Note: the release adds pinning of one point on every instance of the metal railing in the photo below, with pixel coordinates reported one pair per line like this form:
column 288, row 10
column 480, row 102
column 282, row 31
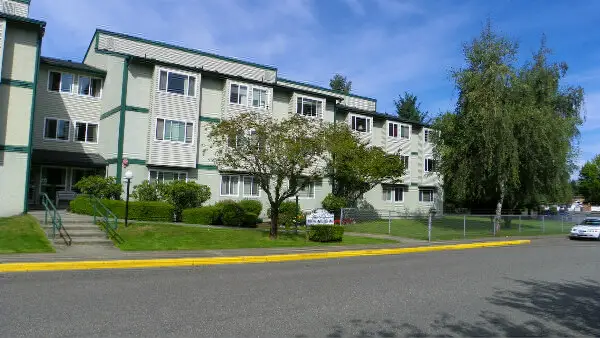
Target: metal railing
column 57, row 225
column 108, row 220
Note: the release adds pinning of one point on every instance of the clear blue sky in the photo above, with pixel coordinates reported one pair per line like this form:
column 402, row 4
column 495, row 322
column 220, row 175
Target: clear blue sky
column 385, row 47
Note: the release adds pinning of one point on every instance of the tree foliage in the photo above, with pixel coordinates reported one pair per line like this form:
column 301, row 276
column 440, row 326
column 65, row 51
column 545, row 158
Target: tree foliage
column 101, row 187
column 409, row 108
column 284, row 156
column 355, row 167
column 510, row 140
column 340, row 84
column 589, row 181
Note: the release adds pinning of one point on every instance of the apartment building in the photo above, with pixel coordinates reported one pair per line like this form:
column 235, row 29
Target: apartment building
column 150, row 104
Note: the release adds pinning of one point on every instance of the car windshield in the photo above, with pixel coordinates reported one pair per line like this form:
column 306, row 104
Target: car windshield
column 592, row 222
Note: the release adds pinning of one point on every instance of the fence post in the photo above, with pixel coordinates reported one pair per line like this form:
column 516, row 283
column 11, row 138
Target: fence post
column 562, row 224
column 465, row 226
column 519, row 223
column 429, row 228
column 543, row 223
column 389, row 222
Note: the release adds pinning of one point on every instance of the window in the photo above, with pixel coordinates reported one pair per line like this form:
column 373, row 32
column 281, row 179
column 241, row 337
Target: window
column 229, row 185
column 177, row 83
column 405, row 162
column 251, row 187
column 429, row 165
column 361, row 124
column 393, row 129
column 308, row 191
column 427, row 135
column 86, row 132
column 238, row 94
column 404, row 131
column 393, row 193
column 89, row 86
column 60, row 82
column 55, row 129
column 425, row 195
column 259, row 98
column 309, row 107
column 167, row 176
column 175, row 131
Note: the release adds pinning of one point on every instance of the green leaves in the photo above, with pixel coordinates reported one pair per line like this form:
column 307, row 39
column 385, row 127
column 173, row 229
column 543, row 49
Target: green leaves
column 407, row 107
column 340, row 84
column 589, row 180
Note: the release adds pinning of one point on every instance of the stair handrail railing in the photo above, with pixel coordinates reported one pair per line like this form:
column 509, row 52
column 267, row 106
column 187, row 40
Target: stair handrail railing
column 57, row 225
column 108, row 218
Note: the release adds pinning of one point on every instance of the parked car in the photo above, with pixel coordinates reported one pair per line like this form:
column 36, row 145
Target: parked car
column 589, row 228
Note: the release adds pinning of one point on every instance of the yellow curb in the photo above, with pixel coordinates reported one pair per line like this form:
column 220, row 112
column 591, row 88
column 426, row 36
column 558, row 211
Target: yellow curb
column 203, row 261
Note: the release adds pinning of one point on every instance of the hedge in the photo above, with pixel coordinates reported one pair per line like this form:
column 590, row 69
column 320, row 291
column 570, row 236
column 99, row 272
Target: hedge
column 140, row 211
column 228, row 213
column 326, row 233
column 208, row 215
column 252, row 206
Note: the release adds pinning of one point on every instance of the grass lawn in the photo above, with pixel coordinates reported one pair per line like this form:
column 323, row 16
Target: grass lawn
column 451, row 227
column 141, row 237
column 22, row 234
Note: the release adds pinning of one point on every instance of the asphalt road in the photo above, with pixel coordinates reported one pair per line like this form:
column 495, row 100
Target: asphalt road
column 549, row 288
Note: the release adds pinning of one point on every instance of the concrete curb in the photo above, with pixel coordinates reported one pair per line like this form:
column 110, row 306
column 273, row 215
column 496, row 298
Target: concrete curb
column 205, row 261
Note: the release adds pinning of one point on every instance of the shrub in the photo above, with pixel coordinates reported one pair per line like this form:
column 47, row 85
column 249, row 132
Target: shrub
column 334, row 204
column 184, row 195
column 252, row 206
column 147, row 191
column 207, row 215
column 141, row 211
column 232, row 214
column 326, row 233
column 219, row 206
column 81, row 205
column 101, row 187
column 288, row 211
column 250, row 220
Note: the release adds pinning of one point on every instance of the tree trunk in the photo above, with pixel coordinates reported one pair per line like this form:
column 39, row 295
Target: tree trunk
column 274, row 221
column 498, row 218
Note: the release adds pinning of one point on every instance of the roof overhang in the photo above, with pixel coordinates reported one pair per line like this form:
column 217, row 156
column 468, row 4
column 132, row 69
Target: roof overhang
column 66, row 158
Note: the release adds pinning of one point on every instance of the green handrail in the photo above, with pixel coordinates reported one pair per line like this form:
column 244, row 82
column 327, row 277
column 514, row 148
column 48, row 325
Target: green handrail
column 108, row 218
column 57, row 225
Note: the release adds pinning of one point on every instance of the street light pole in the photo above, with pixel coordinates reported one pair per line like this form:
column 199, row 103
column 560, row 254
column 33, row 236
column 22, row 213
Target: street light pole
column 128, row 177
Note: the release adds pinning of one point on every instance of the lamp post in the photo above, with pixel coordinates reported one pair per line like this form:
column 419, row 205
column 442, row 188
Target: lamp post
column 128, row 177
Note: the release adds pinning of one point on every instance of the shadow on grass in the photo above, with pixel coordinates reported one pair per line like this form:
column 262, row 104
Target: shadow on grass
column 531, row 309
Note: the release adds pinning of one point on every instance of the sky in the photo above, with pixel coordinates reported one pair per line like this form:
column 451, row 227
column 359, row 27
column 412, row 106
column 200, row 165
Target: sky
column 385, row 47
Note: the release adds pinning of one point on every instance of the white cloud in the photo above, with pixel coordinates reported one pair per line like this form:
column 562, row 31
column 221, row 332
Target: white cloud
column 592, row 110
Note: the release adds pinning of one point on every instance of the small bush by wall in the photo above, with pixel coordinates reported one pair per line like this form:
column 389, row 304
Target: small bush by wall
column 252, row 206
column 326, row 233
column 208, row 215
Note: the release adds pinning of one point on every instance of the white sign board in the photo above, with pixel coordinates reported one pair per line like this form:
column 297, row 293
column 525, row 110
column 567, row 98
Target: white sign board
column 319, row 216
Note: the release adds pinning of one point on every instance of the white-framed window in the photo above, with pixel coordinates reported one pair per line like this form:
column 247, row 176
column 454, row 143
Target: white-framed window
column 177, row 83
column 230, row 185
column 174, row 131
column 60, row 82
column 56, row 129
column 426, row 195
column 309, row 107
column 308, row 192
column 166, row 175
column 429, row 165
column 251, row 187
column 259, row 98
column 398, row 130
column 89, row 86
column 238, row 94
column 393, row 193
column 427, row 135
column 405, row 162
column 86, row 132
column 361, row 124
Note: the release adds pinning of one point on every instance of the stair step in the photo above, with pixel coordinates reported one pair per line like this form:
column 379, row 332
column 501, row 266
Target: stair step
column 85, row 241
column 72, row 227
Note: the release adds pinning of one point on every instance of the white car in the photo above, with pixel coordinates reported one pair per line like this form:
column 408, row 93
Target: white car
column 589, row 228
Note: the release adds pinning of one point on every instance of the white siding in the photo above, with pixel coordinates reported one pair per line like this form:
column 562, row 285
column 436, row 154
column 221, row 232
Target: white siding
column 309, row 89
column 359, row 103
column 174, row 107
column 67, row 106
column 233, row 109
column 182, row 57
column 14, row 8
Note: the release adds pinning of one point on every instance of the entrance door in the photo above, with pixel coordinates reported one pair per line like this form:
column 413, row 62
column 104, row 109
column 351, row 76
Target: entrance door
column 53, row 179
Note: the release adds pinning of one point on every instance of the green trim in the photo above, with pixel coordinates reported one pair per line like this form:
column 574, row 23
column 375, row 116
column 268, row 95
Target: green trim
column 122, row 118
column 135, row 161
column 206, row 166
column 66, row 64
column 26, row 2
column 17, row 83
column 137, row 109
column 110, row 112
column 414, row 153
column 209, row 119
column 184, row 49
column 14, row 149
column 324, row 89
column 31, row 119
column 22, row 19
column 87, row 51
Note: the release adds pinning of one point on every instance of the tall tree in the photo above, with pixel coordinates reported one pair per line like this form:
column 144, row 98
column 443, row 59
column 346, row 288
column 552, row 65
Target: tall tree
column 340, row 84
column 589, row 180
column 510, row 140
column 408, row 107
column 284, row 156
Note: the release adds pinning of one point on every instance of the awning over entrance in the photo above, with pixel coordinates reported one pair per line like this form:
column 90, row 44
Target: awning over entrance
column 66, row 158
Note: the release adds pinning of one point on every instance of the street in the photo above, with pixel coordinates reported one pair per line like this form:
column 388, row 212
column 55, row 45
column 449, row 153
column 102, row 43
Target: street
column 548, row 288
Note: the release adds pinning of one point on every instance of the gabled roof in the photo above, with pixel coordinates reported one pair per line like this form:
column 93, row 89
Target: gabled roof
column 72, row 65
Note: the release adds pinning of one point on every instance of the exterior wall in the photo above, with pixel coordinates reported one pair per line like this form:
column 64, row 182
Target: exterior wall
column 20, row 48
column 139, row 87
column 2, row 39
column 13, row 171
column 233, row 109
column 15, row 113
column 359, row 102
column 14, row 8
column 182, row 56
column 212, row 97
column 176, row 107
column 68, row 106
column 282, row 104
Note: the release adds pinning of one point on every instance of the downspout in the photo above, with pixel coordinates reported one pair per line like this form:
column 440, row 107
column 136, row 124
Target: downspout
column 122, row 118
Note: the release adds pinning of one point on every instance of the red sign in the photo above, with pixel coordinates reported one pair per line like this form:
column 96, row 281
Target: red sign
column 125, row 163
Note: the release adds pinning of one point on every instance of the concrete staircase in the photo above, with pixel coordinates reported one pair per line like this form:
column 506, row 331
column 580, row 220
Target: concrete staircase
column 80, row 227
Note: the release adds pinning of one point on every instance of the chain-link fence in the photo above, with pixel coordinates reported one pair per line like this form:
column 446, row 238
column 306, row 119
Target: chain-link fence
column 419, row 225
